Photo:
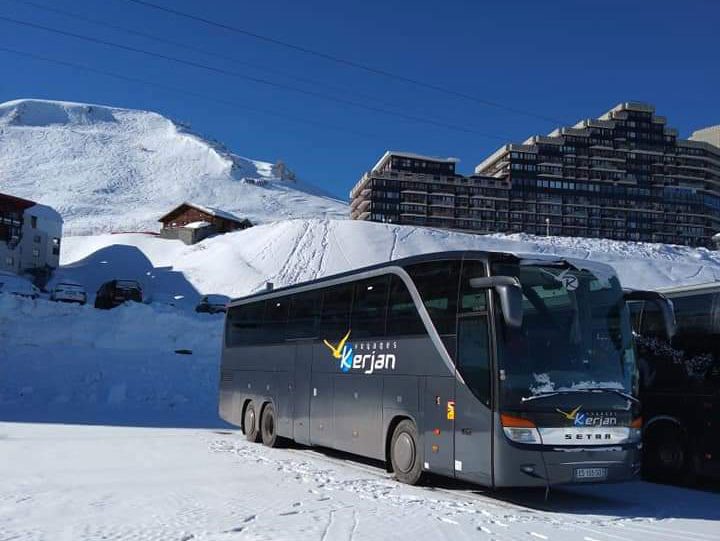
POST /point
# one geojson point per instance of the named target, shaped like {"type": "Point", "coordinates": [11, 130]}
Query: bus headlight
{"type": "Point", "coordinates": [519, 430]}
{"type": "Point", "coordinates": [636, 429]}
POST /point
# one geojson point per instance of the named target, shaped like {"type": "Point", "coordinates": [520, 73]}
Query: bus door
{"type": "Point", "coordinates": [473, 414]}
{"type": "Point", "coordinates": [301, 391]}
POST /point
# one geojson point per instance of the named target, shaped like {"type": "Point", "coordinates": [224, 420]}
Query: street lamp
{"type": "Point", "coordinates": [547, 227]}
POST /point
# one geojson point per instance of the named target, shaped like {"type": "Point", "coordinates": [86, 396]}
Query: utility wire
{"type": "Point", "coordinates": [206, 52]}
{"type": "Point", "coordinates": [183, 91]}
{"type": "Point", "coordinates": [257, 80]}
{"type": "Point", "coordinates": [346, 62]}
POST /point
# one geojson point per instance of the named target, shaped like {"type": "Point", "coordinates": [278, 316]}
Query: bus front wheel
{"type": "Point", "coordinates": [250, 424]}
{"type": "Point", "coordinates": [405, 453]}
{"type": "Point", "coordinates": [665, 454]}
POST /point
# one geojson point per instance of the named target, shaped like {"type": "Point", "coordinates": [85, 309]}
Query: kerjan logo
{"type": "Point", "coordinates": [342, 351]}
{"type": "Point", "coordinates": [573, 415]}
{"type": "Point", "coordinates": [369, 362]}
{"type": "Point", "coordinates": [585, 419]}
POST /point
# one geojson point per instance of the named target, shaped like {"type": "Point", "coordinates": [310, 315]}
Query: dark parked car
{"type": "Point", "coordinates": [213, 304]}
{"type": "Point", "coordinates": [116, 292]}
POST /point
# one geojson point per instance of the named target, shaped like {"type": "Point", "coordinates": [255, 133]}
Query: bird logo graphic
{"type": "Point", "coordinates": [342, 351]}
{"type": "Point", "coordinates": [571, 416]}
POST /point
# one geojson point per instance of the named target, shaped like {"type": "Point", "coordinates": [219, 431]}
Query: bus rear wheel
{"type": "Point", "coordinates": [250, 424]}
{"type": "Point", "coordinates": [405, 453]}
{"type": "Point", "coordinates": [268, 427]}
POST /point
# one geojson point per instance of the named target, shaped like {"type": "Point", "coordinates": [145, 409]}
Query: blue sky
{"type": "Point", "coordinates": [565, 60]}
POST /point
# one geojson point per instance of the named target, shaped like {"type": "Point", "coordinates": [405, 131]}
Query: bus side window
{"type": "Point", "coordinates": [304, 315]}
{"type": "Point", "coordinates": [403, 318]}
{"type": "Point", "coordinates": [472, 299]}
{"type": "Point", "coordinates": [636, 309]}
{"type": "Point", "coordinates": [245, 323]}
{"type": "Point", "coordinates": [335, 320]}
{"type": "Point", "coordinates": [437, 283]}
{"type": "Point", "coordinates": [474, 355]}
{"type": "Point", "coordinates": [370, 307]}
{"type": "Point", "coordinates": [275, 321]}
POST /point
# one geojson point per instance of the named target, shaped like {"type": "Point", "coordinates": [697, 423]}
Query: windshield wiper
{"type": "Point", "coordinates": [573, 391]}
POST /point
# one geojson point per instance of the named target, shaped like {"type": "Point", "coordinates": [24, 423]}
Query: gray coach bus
{"type": "Point", "coordinates": [489, 367]}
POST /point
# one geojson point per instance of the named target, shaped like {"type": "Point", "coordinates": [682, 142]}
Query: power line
{"type": "Point", "coordinates": [206, 52]}
{"type": "Point", "coordinates": [178, 90]}
{"type": "Point", "coordinates": [345, 61]}
{"type": "Point", "coordinates": [257, 80]}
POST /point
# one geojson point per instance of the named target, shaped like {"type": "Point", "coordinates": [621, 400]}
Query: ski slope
{"type": "Point", "coordinates": [294, 251]}
{"type": "Point", "coordinates": [111, 169]}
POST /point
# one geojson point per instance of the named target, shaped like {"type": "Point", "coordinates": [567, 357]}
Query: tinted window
{"type": "Point", "coordinates": [403, 317]}
{"type": "Point", "coordinates": [437, 283]}
{"type": "Point", "coordinates": [472, 299]}
{"type": "Point", "coordinates": [369, 307]}
{"type": "Point", "coordinates": [275, 321]}
{"type": "Point", "coordinates": [305, 315]}
{"type": "Point", "coordinates": [337, 301]}
{"type": "Point", "coordinates": [474, 356]}
{"type": "Point", "coordinates": [244, 324]}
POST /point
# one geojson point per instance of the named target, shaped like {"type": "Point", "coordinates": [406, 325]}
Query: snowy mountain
{"type": "Point", "coordinates": [109, 169]}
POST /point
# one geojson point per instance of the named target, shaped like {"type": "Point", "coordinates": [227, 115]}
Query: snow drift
{"type": "Point", "coordinates": [111, 169]}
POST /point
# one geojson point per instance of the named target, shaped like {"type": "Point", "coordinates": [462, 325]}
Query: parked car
{"type": "Point", "coordinates": [213, 304]}
{"type": "Point", "coordinates": [69, 292]}
{"type": "Point", "coordinates": [16, 285]}
{"type": "Point", "coordinates": [116, 292]}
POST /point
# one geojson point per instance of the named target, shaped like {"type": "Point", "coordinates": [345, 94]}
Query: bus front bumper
{"type": "Point", "coordinates": [524, 466]}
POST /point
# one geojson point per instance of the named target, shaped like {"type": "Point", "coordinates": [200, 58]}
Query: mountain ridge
{"type": "Point", "coordinates": [108, 169]}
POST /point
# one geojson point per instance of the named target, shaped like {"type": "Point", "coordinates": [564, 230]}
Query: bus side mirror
{"type": "Point", "coordinates": [664, 305]}
{"type": "Point", "coordinates": [510, 294]}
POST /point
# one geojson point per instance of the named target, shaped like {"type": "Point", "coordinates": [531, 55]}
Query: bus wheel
{"type": "Point", "coordinates": [250, 424]}
{"type": "Point", "coordinates": [405, 453]}
{"type": "Point", "coordinates": [665, 456]}
{"type": "Point", "coordinates": [268, 427]}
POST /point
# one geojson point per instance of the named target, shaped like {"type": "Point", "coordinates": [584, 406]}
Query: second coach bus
{"type": "Point", "coordinates": [494, 368]}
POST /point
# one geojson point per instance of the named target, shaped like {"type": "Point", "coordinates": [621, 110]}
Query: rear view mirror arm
{"type": "Point", "coordinates": [510, 293]}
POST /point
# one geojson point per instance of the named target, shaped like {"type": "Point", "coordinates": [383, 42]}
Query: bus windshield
{"type": "Point", "coordinates": [575, 336]}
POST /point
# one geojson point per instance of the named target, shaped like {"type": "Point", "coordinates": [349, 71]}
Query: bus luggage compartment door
{"type": "Point", "coordinates": [301, 391]}
{"type": "Point", "coordinates": [473, 415]}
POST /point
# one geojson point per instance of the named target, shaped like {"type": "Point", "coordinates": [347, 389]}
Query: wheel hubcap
{"type": "Point", "coordinates": [250, 421]}
{"type": "Point", "coordinates": [404, 452]}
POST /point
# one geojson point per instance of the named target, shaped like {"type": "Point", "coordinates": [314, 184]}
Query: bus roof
{"type": "Point", "coordinates": [599, 269]}
{"type": "Point", "coordinates": [707, 287]}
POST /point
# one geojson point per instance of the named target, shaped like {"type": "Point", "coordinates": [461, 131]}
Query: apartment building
{"type": "Point", "coordinates": [625, 175]}
{"type": "Point", "coordinates": [30, 236]}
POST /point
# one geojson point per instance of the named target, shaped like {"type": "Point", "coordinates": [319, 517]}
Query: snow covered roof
{"type": "Point", "coordinates": [197, 225]}
{"type": "Point", "coordinates": [211, 211]}
{"type": "Point", "coordinates": [412, 156]}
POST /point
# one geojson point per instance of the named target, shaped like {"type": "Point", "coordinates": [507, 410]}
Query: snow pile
{"type": "Point", "coordinates": [111, 169]}
{"type": "Point", "coordinates": [134, 364]}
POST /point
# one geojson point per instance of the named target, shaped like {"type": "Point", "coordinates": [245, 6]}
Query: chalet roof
{"type": "Point", "coordinates": [211, 211]}
{"type": "Point", "coordinates": [18, 202]}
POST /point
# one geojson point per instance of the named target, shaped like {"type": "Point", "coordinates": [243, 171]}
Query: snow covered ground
{"type": "Point", "coordinates": [63, 482]}
{"type": "Point", "coordinates": [110, 169]}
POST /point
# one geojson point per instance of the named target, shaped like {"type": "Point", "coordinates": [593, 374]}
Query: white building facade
{"type": "Point", "coordinates": [30, 236]}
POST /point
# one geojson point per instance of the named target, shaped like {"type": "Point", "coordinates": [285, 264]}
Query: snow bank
{"type": "Point", "coordinates": [61, 362]}
{"type": "Point", "coordinates": [293, 251]}
{"type": "Point", "coordinates": [111, 169]}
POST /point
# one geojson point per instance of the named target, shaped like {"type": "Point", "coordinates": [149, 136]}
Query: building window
{"type": "Point", "coordinates": [36, 252]}
{"type": "Point", "coordinates": [33, 222]}
{"type": "Point", "coordinates": [37, 238]}
{"type": "Point", "coordinates": [9, 260]}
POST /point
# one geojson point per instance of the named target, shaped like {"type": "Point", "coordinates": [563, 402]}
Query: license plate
{"type": "Point", "coordinates": [590, 473]}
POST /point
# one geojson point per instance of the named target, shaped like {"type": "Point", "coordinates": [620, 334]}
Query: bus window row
{"type": "Point", "coordinates": [372, 308]}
